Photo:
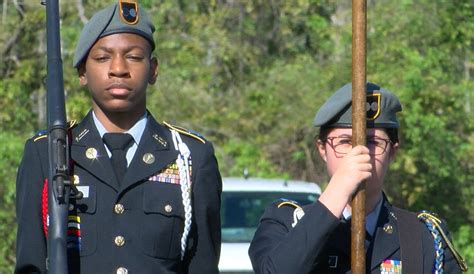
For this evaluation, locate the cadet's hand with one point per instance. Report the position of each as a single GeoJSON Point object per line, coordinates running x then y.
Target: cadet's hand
{"type": "Point", "coordinates": [350, 172]}
{"type": "Point", "coordinates": [353, 169]}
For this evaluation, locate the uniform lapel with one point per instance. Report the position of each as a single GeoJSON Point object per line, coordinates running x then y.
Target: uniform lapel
{"type": "Point", "coordinates": [155, 151]}
{"type": "Point", "coordinates": [88, 151]}
{"type": "Point", "coordinates": [386, 241]}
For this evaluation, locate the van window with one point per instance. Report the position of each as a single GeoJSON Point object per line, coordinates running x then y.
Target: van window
{"type": "Point", "coordinates": [241, 211]}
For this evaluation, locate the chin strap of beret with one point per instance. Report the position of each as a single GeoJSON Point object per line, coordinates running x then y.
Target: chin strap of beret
{"type": "Point", "coordinates": [433, 224]}
{"type": "Point", "coordinates": [183, 162]}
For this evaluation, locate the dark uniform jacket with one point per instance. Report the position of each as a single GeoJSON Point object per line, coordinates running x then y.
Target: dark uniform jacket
{"type": "Point", "coordinates": [320, 243]}
{"type": "Point", "coordinates": [132, 228]}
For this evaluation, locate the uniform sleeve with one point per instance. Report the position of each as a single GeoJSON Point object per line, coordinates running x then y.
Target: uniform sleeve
{"type": "Point", "coordinates": [450, 264]}
{"type": "Point", "coordinates": [30, 243]}
{"type": "Point", "coordinates": [277, 247]}
{"type": "Point", "coordinates": [206, 232]}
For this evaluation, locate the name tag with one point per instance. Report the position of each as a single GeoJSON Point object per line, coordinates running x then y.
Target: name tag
{"type": "Point", "coordinates": [84, 190]}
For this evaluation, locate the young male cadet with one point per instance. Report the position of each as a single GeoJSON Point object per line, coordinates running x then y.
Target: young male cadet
{"type": "Point", "coordinates": [151, 192]}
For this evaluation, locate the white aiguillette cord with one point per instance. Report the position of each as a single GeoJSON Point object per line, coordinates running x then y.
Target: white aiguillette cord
{"type": "Point", "coordinates": [183, 163]}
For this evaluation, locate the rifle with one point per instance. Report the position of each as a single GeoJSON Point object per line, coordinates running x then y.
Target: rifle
{"type": "Point", "coordinates": [58, 178]}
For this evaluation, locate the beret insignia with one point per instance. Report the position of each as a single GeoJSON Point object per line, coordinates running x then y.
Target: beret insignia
{"type": "Point", "coordinates": [373, 106]}
{"type": "Point", "coordinates": [129, 11]}
{"type": "Point", "coordinates": [382, 107]}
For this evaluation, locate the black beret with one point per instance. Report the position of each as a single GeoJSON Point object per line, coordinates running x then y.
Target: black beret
{"type": "Point", "coordinates": [116, 18]}
{"type": "Point", "coordinates": [382, 107]}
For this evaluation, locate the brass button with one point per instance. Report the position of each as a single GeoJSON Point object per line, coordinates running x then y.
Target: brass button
{"type": "Point", "coordinates": [388, 228]}
{"type": "Point", "coordinates": [119, 209]}
{"type": "Point", "coordinates": [91, 153]}
{"type": "Point", "coordinates": [168, 208]}
{"type": "Point", "coordinates": [148, 158]}
{"type": "Point", "coordinates": [119, 241]}
{"type": "Point", "coordinates": [122, 270]}
{"type": "Point", "coordinates": [75, 180]}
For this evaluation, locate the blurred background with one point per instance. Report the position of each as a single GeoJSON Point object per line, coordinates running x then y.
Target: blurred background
{"type": "Point", "coordinates": [250, 75]}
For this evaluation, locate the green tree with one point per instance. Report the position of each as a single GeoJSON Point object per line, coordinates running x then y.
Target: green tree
{"type": "Point", "coordinates": [249, 75]}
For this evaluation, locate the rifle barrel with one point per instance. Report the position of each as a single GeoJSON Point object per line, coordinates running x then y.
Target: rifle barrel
{"type": "Point", "coordinates": [58, 180]}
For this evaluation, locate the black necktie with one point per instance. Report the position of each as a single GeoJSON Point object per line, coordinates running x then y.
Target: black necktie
{"type": "Point", "coordinates": [118, 144]}
{"type": "Point", "coordinates": [347, 229]}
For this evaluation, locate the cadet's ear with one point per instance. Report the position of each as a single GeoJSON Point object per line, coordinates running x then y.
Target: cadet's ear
{"type": "Point", "coordinates": [154, 64]}
{"type": "Point", "coordinates": [320, 145]}
{"type": "Point", "coordinates": [81, 72]}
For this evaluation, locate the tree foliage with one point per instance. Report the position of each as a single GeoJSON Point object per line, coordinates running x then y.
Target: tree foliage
{"type": "Point", "coordinates": [250, 75]}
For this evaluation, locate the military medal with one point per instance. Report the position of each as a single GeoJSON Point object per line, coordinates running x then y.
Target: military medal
{"type": "Point", "coordinates": [391, 267]}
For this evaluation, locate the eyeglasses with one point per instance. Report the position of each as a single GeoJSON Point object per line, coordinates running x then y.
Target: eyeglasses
{"type": "Point", "coordinates": [343, 144]}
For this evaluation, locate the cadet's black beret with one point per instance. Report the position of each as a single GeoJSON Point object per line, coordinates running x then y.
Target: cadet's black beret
{"type": "Point", "coordinates": [116, 18]}
{"type": "Point", "coordinates": [382, 107]}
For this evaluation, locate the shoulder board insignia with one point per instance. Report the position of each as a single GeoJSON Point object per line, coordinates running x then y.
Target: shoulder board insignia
{"type": "Point", "coordinates": [433, 223]}
{"type": "Point", "coordinates": [71, 124]}
{"type": "Point", "coordinates": [187, 132]}
{"type": "Point", "coordinates": [44, 133]}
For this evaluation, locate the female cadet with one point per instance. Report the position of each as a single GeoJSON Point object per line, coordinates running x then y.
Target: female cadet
{"type": "Point", "coordinates": [316, 238]}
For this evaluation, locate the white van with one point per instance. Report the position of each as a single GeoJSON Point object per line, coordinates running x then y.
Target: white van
{"type": "Point", "coordinates": [243, 202]}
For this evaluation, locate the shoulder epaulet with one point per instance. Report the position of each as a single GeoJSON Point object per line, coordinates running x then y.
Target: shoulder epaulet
{"type": "Point", "coordinates": [433, 223]}
{"type": "Point", "coordinates": [41, 134]}
{"type": "Point", "coordinates": [298, 211]}
{"type": "Point", "coordinates": [187, 132]}
{"type": "Point", "coordinates": [287, 202]}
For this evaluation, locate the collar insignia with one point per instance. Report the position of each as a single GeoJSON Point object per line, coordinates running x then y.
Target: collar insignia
{"type": "Point", "coordinates": [82, 134]}
{"type": "Point", "coordinates": [160, 140]}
